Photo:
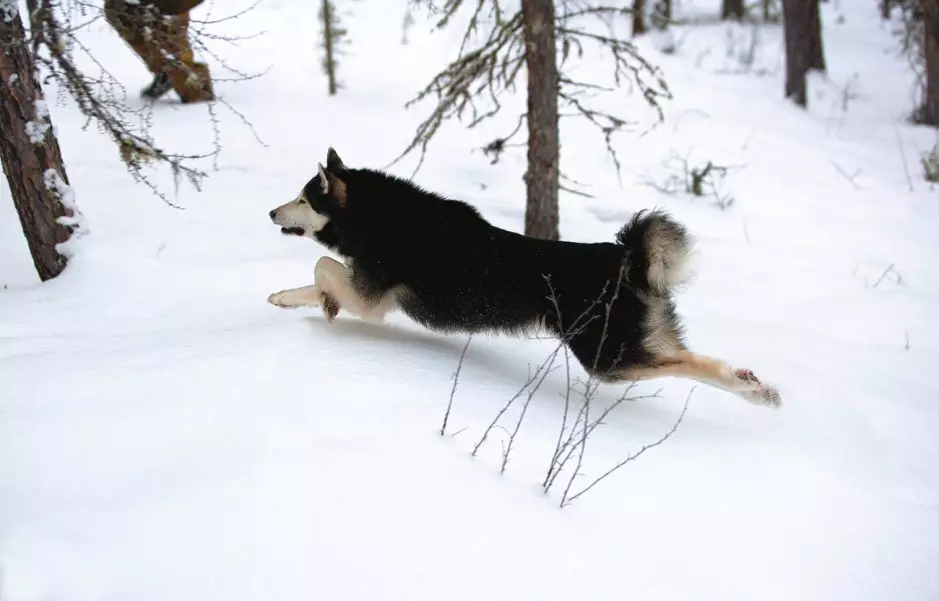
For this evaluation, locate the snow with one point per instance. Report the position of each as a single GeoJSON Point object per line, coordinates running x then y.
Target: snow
{"type": "Point", "coordinates": [165, 434]}
{"type": "Point", "coordinates": [9, 10]}
{"type": "Point", "coordinates": [36, 129]}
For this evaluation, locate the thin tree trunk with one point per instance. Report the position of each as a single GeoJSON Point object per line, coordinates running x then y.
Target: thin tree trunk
{"type": "Point", "coordinates": [732, 9]}
{"type": "Point", "coordinates": [800, 29]}
{"type": "Point", "coordinates": [639, 17]}
{"type": "Point", "coordinates": [931, 51]}
{"type": "Point", "coordinates": [328, 42]}
{"type": "Point", "coordinates": [29, 152]}
{"type": "Point", "coordinates": [885, 6]}
{"type": "Point", "coordinates": [542, 178]}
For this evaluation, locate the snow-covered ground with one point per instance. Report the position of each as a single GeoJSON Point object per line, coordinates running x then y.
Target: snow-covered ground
{"type": "Point", "coordinates": [165, 434]}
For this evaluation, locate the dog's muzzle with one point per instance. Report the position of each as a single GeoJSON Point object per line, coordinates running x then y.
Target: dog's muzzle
{"type": "Point", "coordinates": [291, 230]}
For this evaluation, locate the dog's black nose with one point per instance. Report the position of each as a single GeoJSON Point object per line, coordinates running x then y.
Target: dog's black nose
{"type": "Point", "coordinates": [272, 213]}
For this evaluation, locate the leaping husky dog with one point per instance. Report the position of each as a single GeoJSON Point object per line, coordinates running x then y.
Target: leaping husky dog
{"type": "Point", "coordinates": [450, 270]}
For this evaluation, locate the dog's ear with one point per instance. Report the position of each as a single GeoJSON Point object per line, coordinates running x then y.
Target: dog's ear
{"type": "Point", "coordinates": [332, 186]}
{"type": "Point", "coordinates": [333, 162]}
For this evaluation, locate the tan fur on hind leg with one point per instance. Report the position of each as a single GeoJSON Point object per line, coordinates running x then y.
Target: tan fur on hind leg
{"type": "Point", "coordinates": [708, 370]}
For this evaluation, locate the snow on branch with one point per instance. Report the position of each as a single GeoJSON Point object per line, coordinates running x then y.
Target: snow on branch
{"type": "Point", "coordinates": [54, 34]}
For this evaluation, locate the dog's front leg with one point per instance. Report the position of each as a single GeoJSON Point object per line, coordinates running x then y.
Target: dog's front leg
{"type": "Point", "coordinates": [334, 280]}
{"type": "Point", "coordinates": [305, 296]}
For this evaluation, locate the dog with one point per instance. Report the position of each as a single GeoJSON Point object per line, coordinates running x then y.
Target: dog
{"type": "Point", "coordinates": [442, 264]}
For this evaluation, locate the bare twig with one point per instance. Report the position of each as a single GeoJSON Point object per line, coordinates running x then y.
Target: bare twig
{"type": "Point", "coordinates": [906, 167]}
{"type": "Point", "coordinates": [848, 177]}
{"type": "Point", "coordinates": [456, 379]}
{"type": "Point", "coordinates": [703, 181]}
{"type": "Point", "coordinates": [534, 381]}
{"type": "Point", "coordinates": [531, 393]}
{"type": "Point", "coordinates": [567, 500]}
{"type": "Point", "coordinates": [890, 269]}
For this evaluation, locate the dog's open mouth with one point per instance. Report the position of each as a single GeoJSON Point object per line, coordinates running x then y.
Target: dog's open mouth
{"type": "Point", "coordinates": [294, 231]}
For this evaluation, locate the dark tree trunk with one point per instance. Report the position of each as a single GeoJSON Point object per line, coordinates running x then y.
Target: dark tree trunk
{"type": "Point", "coordinates": [639, 17]}
{"type": "Point", "coordinates": [28, 153]}
{"type": "Point", "coordinates": [732, 9]}
{"type": "Point", "coordinates": [542, 178]}
{"type": "Point", "coordinates": [885, 6]}
{"type": "Point", "coordinates": [329, 63]}
{"type": "Point", "coordinates": [816, 50]}
{"type": "Point", "coordinates": [931, 51]}
{"type": "Point", "coordinates": [803, 35]}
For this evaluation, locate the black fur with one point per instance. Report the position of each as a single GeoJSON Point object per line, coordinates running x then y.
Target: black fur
{"type": "Point", "coordinates": [455, 272]}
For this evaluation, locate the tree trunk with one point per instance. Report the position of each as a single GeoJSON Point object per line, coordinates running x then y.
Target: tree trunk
{"type": "Point", "coordinates": [329, 63]}
{"type": "Point", "coordinates": [542, 178]}
{"type": "Point", "coordinates": [29, 152]}
{"type": "Point", "coordinates": [885, 6]}
{"type": "Point", "coordinates": [931, 50]}
{"type": "Point", "coordinates": [639, 17]}
{"type": "Point", "coordinates": [803, 34]}
{"type": "Point", "coordinates": [816, 50]}
{"type": "Point", "coordinates": [732, 9]}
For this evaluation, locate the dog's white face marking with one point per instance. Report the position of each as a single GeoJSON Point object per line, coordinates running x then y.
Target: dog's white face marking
{"type": "Point", "coordinates": [298, 218]}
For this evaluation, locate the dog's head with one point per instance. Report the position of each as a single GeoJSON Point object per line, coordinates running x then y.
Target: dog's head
{"type": "Point", "coordinates": [321, 200]}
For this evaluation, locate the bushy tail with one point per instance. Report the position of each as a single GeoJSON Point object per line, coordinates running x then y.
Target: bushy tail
{"type": "Point", "coordinates": [658, 251]}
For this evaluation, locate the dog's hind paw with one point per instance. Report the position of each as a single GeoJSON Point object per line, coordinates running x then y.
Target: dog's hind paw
{"type": "Point", "coordinates": [756, 392]}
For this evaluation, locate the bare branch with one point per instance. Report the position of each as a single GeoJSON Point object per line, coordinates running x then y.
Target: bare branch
{"type": "Point", "coordinates": [53, 41]}
{"type": "Point", "coordinates": [470, 87]}
{"type": "Point", "coordinates": [632, 457]}
{"type": "Point", "coordinates": [456, 379]}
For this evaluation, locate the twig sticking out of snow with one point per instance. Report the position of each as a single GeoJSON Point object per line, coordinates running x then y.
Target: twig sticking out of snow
{"type": "Point", "coordinates": [567, 499]}
{"type": "Point", "coordinates": [456, 379]}
{"type": "Point", "coordinates": [906, 167]}
{"type": "Point", "coordinates": [572, 438]}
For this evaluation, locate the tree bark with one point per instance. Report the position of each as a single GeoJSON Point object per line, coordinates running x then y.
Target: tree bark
{"type": "Point", "coordinates": [804, 51]}
{"type": "Point", "coordinates": [329, 63]}
{"type": "Point", "coordinates": [931, 50]}
{"type": "Point", "coordinates": [639, 17]}
{"type": "Point", "coordinates": [29, 152]}
{"type": "Point", "coordinates": [816, 50]}
{"type": "Point", "coordinates": [542, 178]}
{"type": "Point", "coordinates": [885, 6]}
{"type": "Point", "coordinates": [732, 9]}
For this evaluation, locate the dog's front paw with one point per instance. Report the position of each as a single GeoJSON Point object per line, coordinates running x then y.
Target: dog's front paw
{"type": "Point", "coordinates": [309, 296]}
{"type": "Point", "coordinates": [279, 299]}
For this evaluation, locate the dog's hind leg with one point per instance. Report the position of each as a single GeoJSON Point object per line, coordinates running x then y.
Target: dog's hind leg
{"type": "Point", "coordinates": [707, 370]}
{"type": "Point", "coordinates": [335, 281]}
